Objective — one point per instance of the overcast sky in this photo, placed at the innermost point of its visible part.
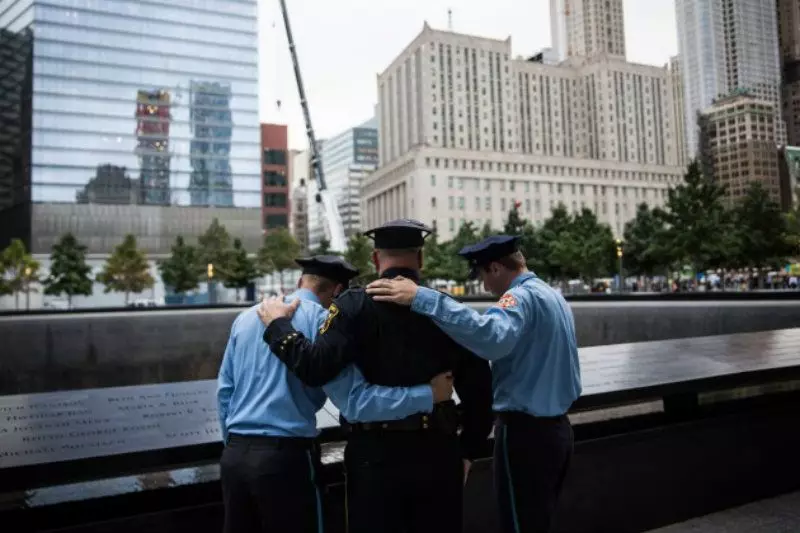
(343, 44)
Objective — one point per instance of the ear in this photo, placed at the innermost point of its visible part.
(299, 281)
(376, 260)
(419, 259)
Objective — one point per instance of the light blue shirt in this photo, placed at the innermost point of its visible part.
(529, 338)
(258, 395)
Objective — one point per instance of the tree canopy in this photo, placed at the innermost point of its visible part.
(126, 270)
(69, 273)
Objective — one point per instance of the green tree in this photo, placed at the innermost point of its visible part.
(554, 251)
(436, 263)
(126, 270)
(278, 252)
(458, 268)
(644, 255)
(69, 273)
(593, 246)
(324, 248)
(183, 269)
(699, 229)
(762, 229)
(359, 254)
(241, 270)
(515, 224)
(486, 231)
(793, 226)
(20, 271)
(531, 242)
(214, 246)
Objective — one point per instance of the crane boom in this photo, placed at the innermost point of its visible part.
(332, 217)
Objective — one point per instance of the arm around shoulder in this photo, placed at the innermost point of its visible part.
(318, 362)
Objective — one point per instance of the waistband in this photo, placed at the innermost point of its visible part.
(520, 417)
(293, 443)
(443, 419)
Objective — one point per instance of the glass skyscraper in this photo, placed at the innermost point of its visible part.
(149, 102)
(724, 46)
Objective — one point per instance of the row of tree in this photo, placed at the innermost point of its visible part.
(216, 256)
(694, 230)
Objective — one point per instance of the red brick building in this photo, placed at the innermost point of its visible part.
(275, 204)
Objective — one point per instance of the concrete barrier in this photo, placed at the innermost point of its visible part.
(57, 351)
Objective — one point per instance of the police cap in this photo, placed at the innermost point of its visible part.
(331, 267)
(488, 250)
(399, 234)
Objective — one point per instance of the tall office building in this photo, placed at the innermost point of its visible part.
(725, 45)
(152, 131)
(679, 107)
(789, 36)
(347, 158)
(465, 131)
(16, 91)
(163, 94)
(275, 167)
(739, 145)
(587, 28)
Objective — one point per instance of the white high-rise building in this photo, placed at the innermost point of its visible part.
(347, 158)
(679, 106)
(465, 131)
(587, 28)
(724, 46)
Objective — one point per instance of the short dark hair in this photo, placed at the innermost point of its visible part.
(321, 283)
(514, 261)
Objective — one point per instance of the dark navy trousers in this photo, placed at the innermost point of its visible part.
(531, 459)
(270, 484)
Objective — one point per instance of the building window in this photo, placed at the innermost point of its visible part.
(274, 157)
(273, 178)
(276, 221)
(452, 224)
(433, 180)
(433, 201)
(275, 199)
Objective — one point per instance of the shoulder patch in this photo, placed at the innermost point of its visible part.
(507, 301)
(333, 311)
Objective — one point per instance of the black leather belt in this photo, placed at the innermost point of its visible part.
(411, 423)
(291, 443)
(520, 417)
(443, 419)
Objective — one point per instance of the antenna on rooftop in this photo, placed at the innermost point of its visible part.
(449, 19)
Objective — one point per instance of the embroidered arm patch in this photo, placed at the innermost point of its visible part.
(333, 311)
(507, 301)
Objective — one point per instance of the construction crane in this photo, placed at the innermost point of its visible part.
(333, 219)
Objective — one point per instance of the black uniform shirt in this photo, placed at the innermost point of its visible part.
(392, 346)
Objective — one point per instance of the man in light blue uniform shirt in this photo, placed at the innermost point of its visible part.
(270, 463)
(529, 337)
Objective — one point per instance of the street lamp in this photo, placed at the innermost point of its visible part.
(28, 272)
(212, 296)
(619, 258)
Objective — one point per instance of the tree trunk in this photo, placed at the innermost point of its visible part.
(280, 274)
(16, 300)
(28, 299)
(69, 301)
(127, 295)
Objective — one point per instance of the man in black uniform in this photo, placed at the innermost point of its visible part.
(402, 475)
